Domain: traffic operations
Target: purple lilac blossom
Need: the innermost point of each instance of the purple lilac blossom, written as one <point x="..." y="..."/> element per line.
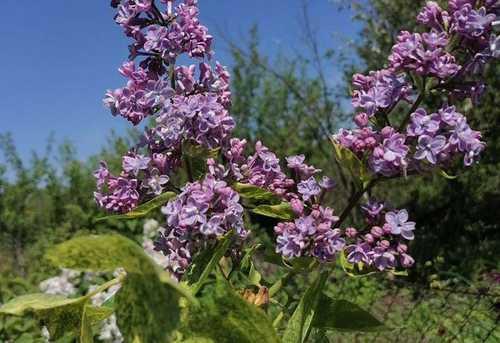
<point x="204" y="210"/>
<point x="373" y="209"/>
<point x="423" y="54"/>
<point x="421" y="123"/>
<point x="390" y="157"/>
<point x="429" y="148"/>
<point x="399" y="224"/>
<point x="472" y="23"/>
<point x="310" y="235"/>
<point x="308" y="188"/>
<point x="379" y="90"/>
<point x="303" y="170"/>
<point x="115" y="194"/>
<point x="433" y="16"/>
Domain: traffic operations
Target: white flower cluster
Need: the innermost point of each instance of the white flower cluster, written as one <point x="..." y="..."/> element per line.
<point x="62" y="284"/>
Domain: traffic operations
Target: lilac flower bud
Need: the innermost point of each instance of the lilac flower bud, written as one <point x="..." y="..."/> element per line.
<point x="384" y="244"/>
<point x="369" y="238"/>
<point x="433" y="16"/>
<point x="406" y="260"/>
<point x="387" y="229"/>
<point x="402" y="248"/>
<point x="361" y="119"/>
<point x="327" y="183"/>
<point x="297" y="206"/>
<point x="351" y="232"/>
<point x="377" y="232"/>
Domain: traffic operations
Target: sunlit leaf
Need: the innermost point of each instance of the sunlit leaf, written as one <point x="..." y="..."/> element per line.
<point x="225" y="317"/>
<point x="209" y="261"/>
<point x="254" y="193"/>
<point x="280" y="211"/>
<point x="98" y="253"/>
<point x="144" y="209"/>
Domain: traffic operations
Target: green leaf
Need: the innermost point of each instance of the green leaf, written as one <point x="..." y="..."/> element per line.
<point x="144" y="209"/>
<point x="225" y="317"/>
<point x="254" y="276"/>
<point x="209" y="261"/>
<point x="86" y="335"/>
<point x="146" y="308"/>
<point x="247" y="257"/>
<point x="251" y="192"/>
<point x="346" y="158"/>
<point x="98" y="253"/>
<point x="342" y="315"/>
<point x="197" y="156"/>
<point x="23" y="304"/>
<point x="96" y="315"/>
<point x="59" y="314"/>
<point x="280" y="211"/>
<point x="299" y="324"/>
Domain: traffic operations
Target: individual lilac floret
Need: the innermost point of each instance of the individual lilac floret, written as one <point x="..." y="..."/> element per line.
<point x="303" y="170"/>
<point x="399" y="224"/>
<point x="308" y="188"/>
<point x="204" y="210"/>
<point x="379" y="90"/>
<point x="310" y="235"/>
<point x="135" y="163"/>
<point x="372" y="209"/>
<point x="433" y="16"/>
<point x="115" y="194"/>
<point x="467" y="141"/>
<point x="429" y="148"/>
<point x="421" y="123"/>
<point x="327" y="183"/>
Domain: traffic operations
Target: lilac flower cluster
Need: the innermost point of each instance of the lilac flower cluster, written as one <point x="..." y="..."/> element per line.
<point x="190" y="105"/>
<point x="379" y="90"/>
<point x="261" y="169"/>
<point x="310" y="235"/>
<point x="186" y="110"/>
<point x="141" y="177"/>
<point x="423" y="140"/>
<point x="204" y="211"/>
<point x="144" y="94"/>
<point x="198" y="118"/>
<point x="443" y="134"/>
<point x="161" y="38"/>
<point x="424" y="54"/>
<point x="383" y="246"/>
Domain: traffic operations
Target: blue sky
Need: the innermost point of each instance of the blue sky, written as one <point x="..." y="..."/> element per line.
<point x="59" y="56"/>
